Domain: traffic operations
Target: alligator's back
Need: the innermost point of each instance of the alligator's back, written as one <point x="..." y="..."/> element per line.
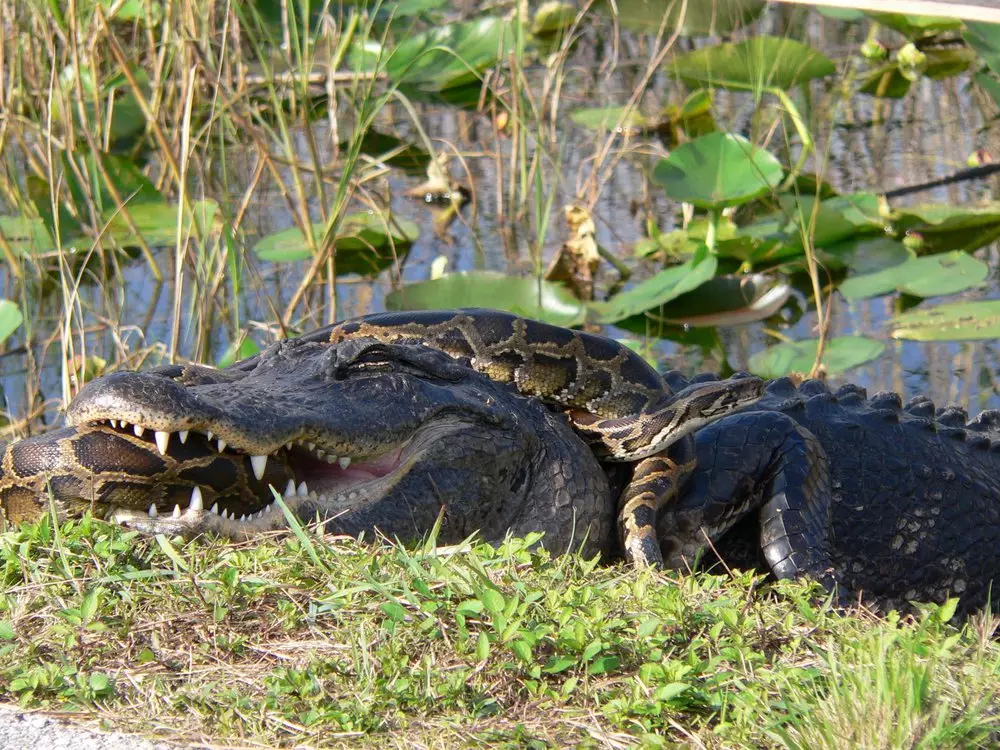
<point x="915" y="491"/>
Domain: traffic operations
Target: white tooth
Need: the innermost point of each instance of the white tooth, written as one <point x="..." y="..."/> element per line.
<point x="138" y="430"/>
<point x="289" y="490"/>
<point x="124" y="425"/>
<point x="152" y="511"/>
<point x="162" y="441"/>
<point x="214" y="509"/>
<point x="114" y="423"/>
<point x="225" y="514"/>
<point x="303" y="490"/>
<point x="331" y="459"/>
<point x="183" y="435"/>
<point x="312" y="446"/>
<point x="222" y="445"/>
<point x="243" y="518"/>
<point x="196" y="502"/>
<point x="344" y="461"/>
<point x="177" y="511"/>
<point x="259" y="463"/>
<point x="313" y="495"/>
<point x="209" y="435"/>
<point x="288" y="446"/>
<point x="320" y="453"/>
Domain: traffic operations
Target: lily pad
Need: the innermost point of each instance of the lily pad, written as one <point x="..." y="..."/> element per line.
<point x="950" y="227"/>
<point x="727" y="301"/>
<point x="893" y="80"/>
<point x="839" y="354"/>
<point x="238" y="351"/>
<point x="364" y="243"/>
<point x="655" y="291"/>
<point x="915" y="26"/>
<point x="701" y="17"/>
<point x="718" y="170"/>
<point x="393" y="151"/>
<point x="443" y="57"/>
<point x="760" y="61"/>
<point x="956" y="321"/>
<point x="605" y="118"/>
<point x="532" y="298"/>
<point x="929" y="276"/>
<point x="10" y="318"/>
<point x="26" y="236"/>
<point x="156" y="223"/>
<point x="984" y="38"/>
<point x="866" y="255"/>
<point x="837" y="219"/>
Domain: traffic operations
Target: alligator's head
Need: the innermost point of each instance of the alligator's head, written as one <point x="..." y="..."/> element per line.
<point x="363" y="435"/>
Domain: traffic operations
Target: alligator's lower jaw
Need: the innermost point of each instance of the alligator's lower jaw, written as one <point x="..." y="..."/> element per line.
<point x="325" y="491"/>
<point x="329" y="493"/>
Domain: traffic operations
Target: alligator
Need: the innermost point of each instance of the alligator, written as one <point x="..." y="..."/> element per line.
<point x="477" y="421"/>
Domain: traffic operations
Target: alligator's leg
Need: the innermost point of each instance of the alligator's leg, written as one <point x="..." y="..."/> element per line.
<point x="756" y="461"/>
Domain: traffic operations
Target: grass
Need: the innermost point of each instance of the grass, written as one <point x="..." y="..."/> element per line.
<point x="305" y="640"/>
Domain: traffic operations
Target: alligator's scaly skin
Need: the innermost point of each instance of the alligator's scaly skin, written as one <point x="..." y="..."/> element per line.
<point x="914" y="500"/>
<point x="429" y="437"/>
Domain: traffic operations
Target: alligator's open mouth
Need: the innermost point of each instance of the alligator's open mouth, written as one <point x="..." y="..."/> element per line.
<point x="299" y="471"/>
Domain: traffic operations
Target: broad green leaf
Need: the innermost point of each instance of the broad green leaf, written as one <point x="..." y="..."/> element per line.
<point x="26" y="235"/>
<point x="147" y="13"/>
<point x="552" y="17"/>
<point x="717" y="170"/>
<point x="839" y="354"/>
<point x="727" y="301"/>
<point x="956" y="321"/>
<point x="928" y="276"/>
<point x="237" y="351"/>
<point x="99" y="169"/>
<point x="701" y="16"/>
<point x="532" y="298"/>
<point x="990" y="84"/>
<point x="363" y="243"/>
<point x="59" y="222"/>
<point x="653" y="292"/>
<point x="836" y="219"/>
<point x="10" y="318"/>
<point x="950" y="227"/>
<point x="605" y="118"/>
<point x="893" y="81"/>
<point x="755" y="63"/>
<point x="393" y="151"/>
<point x="157" y="223"/>
<point x="914" y="26"/>
<point x="841" y="14"/>
<point x="445" y="56"/>
<point x="984" y="38"/>
<point x="866" y="254"/>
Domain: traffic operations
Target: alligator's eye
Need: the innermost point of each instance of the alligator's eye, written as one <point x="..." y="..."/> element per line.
<point x="374" y="358"/>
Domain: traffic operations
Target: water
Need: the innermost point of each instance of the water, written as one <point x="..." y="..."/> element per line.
<point x="872" y="146"/>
